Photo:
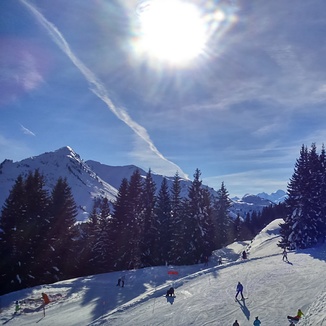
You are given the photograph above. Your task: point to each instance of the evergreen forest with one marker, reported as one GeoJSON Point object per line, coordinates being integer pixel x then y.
{"type": "Point", "coordinates": [41, 242]}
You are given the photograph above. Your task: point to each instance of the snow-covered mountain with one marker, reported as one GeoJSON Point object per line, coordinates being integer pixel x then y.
{"type": "Point", "coordinates": [249, 203]}
{"type": "Point", "coordinates": [64, 162]}
{"type": "Point", "coordinates": [276, 197]}
{"type": "Point", "coordinates": [87, 180]}
{"type": "Point", "coordinates": [114, 175]}
{"type": "Point", "coordinates": [204, 295]}
{"type": "Point", "coordinates": [91, 179]}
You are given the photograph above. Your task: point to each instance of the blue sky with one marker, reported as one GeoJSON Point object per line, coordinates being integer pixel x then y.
{"type": "Point", "coordinates": [71, 73]}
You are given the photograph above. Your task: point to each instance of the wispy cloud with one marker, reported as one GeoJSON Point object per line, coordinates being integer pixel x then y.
{"type": "Point", "coordinates": [27, 131]}
{"type": "Point", "coordinates": [252, 181]}
{"type": "Point", "coordinates": [96, 85]}
{"type": "Point", "coordinates": [31, 77]}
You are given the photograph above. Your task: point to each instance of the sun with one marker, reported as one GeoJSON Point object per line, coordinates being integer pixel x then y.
{"type": "Point", "coordinates": [171, 30]}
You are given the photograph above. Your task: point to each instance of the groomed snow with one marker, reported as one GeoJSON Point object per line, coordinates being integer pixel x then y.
{"type": "Point", "coordinates": [204, 295]}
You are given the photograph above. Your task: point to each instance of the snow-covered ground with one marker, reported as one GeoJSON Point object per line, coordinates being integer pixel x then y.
{"type": "Point", "coordinates": [204, 295]}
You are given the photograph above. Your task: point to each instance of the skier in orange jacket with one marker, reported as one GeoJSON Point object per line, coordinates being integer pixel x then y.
{"type": "Point", "coordinates": [45, 298]}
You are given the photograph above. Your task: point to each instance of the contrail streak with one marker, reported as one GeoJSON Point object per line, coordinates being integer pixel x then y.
{"type": "Point", "coordinates": [96, 85]}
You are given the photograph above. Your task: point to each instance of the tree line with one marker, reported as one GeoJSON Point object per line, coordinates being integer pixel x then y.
{"type": "Point", "coordinates": [148, 227]}
{"type": "Point", "coordinates": [42, 243]}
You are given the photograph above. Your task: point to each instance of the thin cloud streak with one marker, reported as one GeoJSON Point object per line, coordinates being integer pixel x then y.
{"type": "Point", "coordinates": [96, 86]}
{"type": "Point", "coordinates": [27, 131]}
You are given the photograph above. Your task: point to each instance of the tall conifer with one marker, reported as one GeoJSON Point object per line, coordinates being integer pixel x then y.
{"type": "Point", "coordinates": [178, 243]}
{"type": "Point", "coordinates": [222, 220]}
{"type": "Point", "coordinates": [64, 212]}
{"type": "Point", "coordinates": [162, 225]}
{"type": "Point", "coordinates": [147, 236]}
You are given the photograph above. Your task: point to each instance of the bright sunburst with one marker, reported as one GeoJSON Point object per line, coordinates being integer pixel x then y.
{"type": "Point", "coordinates": [172, 31]}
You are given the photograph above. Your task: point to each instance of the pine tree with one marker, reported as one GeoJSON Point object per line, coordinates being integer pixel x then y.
{"type": "Point", "coordinates": [294, 199]}
{"type": "Point", "coordinates": [120, 226]}
{"type": "Point", "coordinates": [246, 231]}
{"type": "Point", "coordinates": [25, 239]}
{"type": "Point", "coordinates": [177, 243]}
{"type": "Point", "coordinates": [86, 241]}
{"type": "Point", "coordinates": [162, 225]}
{"type": "Point", "coordinates": [12, 241]}
{"type": "Point", "coordinates": [237, 228]}
{"type": "Point", "coordinates": [193, 252]}
{"type": "Point", "coordinates": [128, 221]}
{"type": "Point", "coordinates": [36, 230]}
{"type": "Point", "coordinates": [135, 220]}
{"type": "Point", "coordinates": [63, 233]}
{"type": "Point", "coordinates": [103, 240]}
{"type": "Point", "coordinates": [313, 204]}
{"type": "Point", "coordinates": [197, 224]}
{"type": "Point", "coordinates": [321, 223]}
{"type": "Point", "coordinates": [222, 219]}
{"type": "Point", "coordinates": [254, 222]}
{"type": "Point", "coordinates": [208, 223]}
{"type": "Point", "coordinates": [148, 236]}
{"type": "Point", "coordinates": [298, 231]}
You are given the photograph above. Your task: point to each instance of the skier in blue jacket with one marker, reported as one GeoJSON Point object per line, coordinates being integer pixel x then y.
{"type": "Point", "coordinates": [257, 322]}
{"type": "Point", "coordinates": [239, 290]}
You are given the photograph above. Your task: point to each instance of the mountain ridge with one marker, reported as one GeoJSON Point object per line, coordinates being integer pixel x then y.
{"type": "Point", "coordinates": [91, 179]}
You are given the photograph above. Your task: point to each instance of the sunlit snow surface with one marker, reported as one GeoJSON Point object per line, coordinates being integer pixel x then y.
{"type": "Point", "coordinates": [204, 295]}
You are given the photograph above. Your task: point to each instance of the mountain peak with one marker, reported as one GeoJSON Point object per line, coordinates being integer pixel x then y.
{"type": "Point", "coordinates": [67, 151]}
{"type": "Point", "coordinates": [276, 197]}
{"type": "Point", "coordinates": [65, 163]}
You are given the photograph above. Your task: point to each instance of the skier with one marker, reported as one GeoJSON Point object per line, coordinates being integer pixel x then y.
{"type": "Point", "coordinates": [170, 292]}
{"type": "Point", "coordinates": [219, 262]}
{"type": "Point", "coordinates": [257, 322]}
{"type": "Point", "coordinates": [17, 307]}
{"type": "Point", "coordinates": [236, 323]}
{"type": "Point", "coordinates": [121, 281]}
{"type": "Point", "coordinates": [239, 290]}
{"type": "Point", "coordinates": [205, 261]}
{"type": "Point", "coordinates": [297, 317]}
{"type": "Point", "coordinates": [244, 255]}
{"type": "Point", "coordinates": [45, 298]}
{"type": "Point", "coordinates": [285, 255]}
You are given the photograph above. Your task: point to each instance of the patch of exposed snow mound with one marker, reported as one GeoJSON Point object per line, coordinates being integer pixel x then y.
{"type": "Point", "coordinates": [264, 242]}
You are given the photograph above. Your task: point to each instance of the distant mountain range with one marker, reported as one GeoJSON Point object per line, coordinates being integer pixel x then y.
{"type": "Point", "coordinates": [91, 179]}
